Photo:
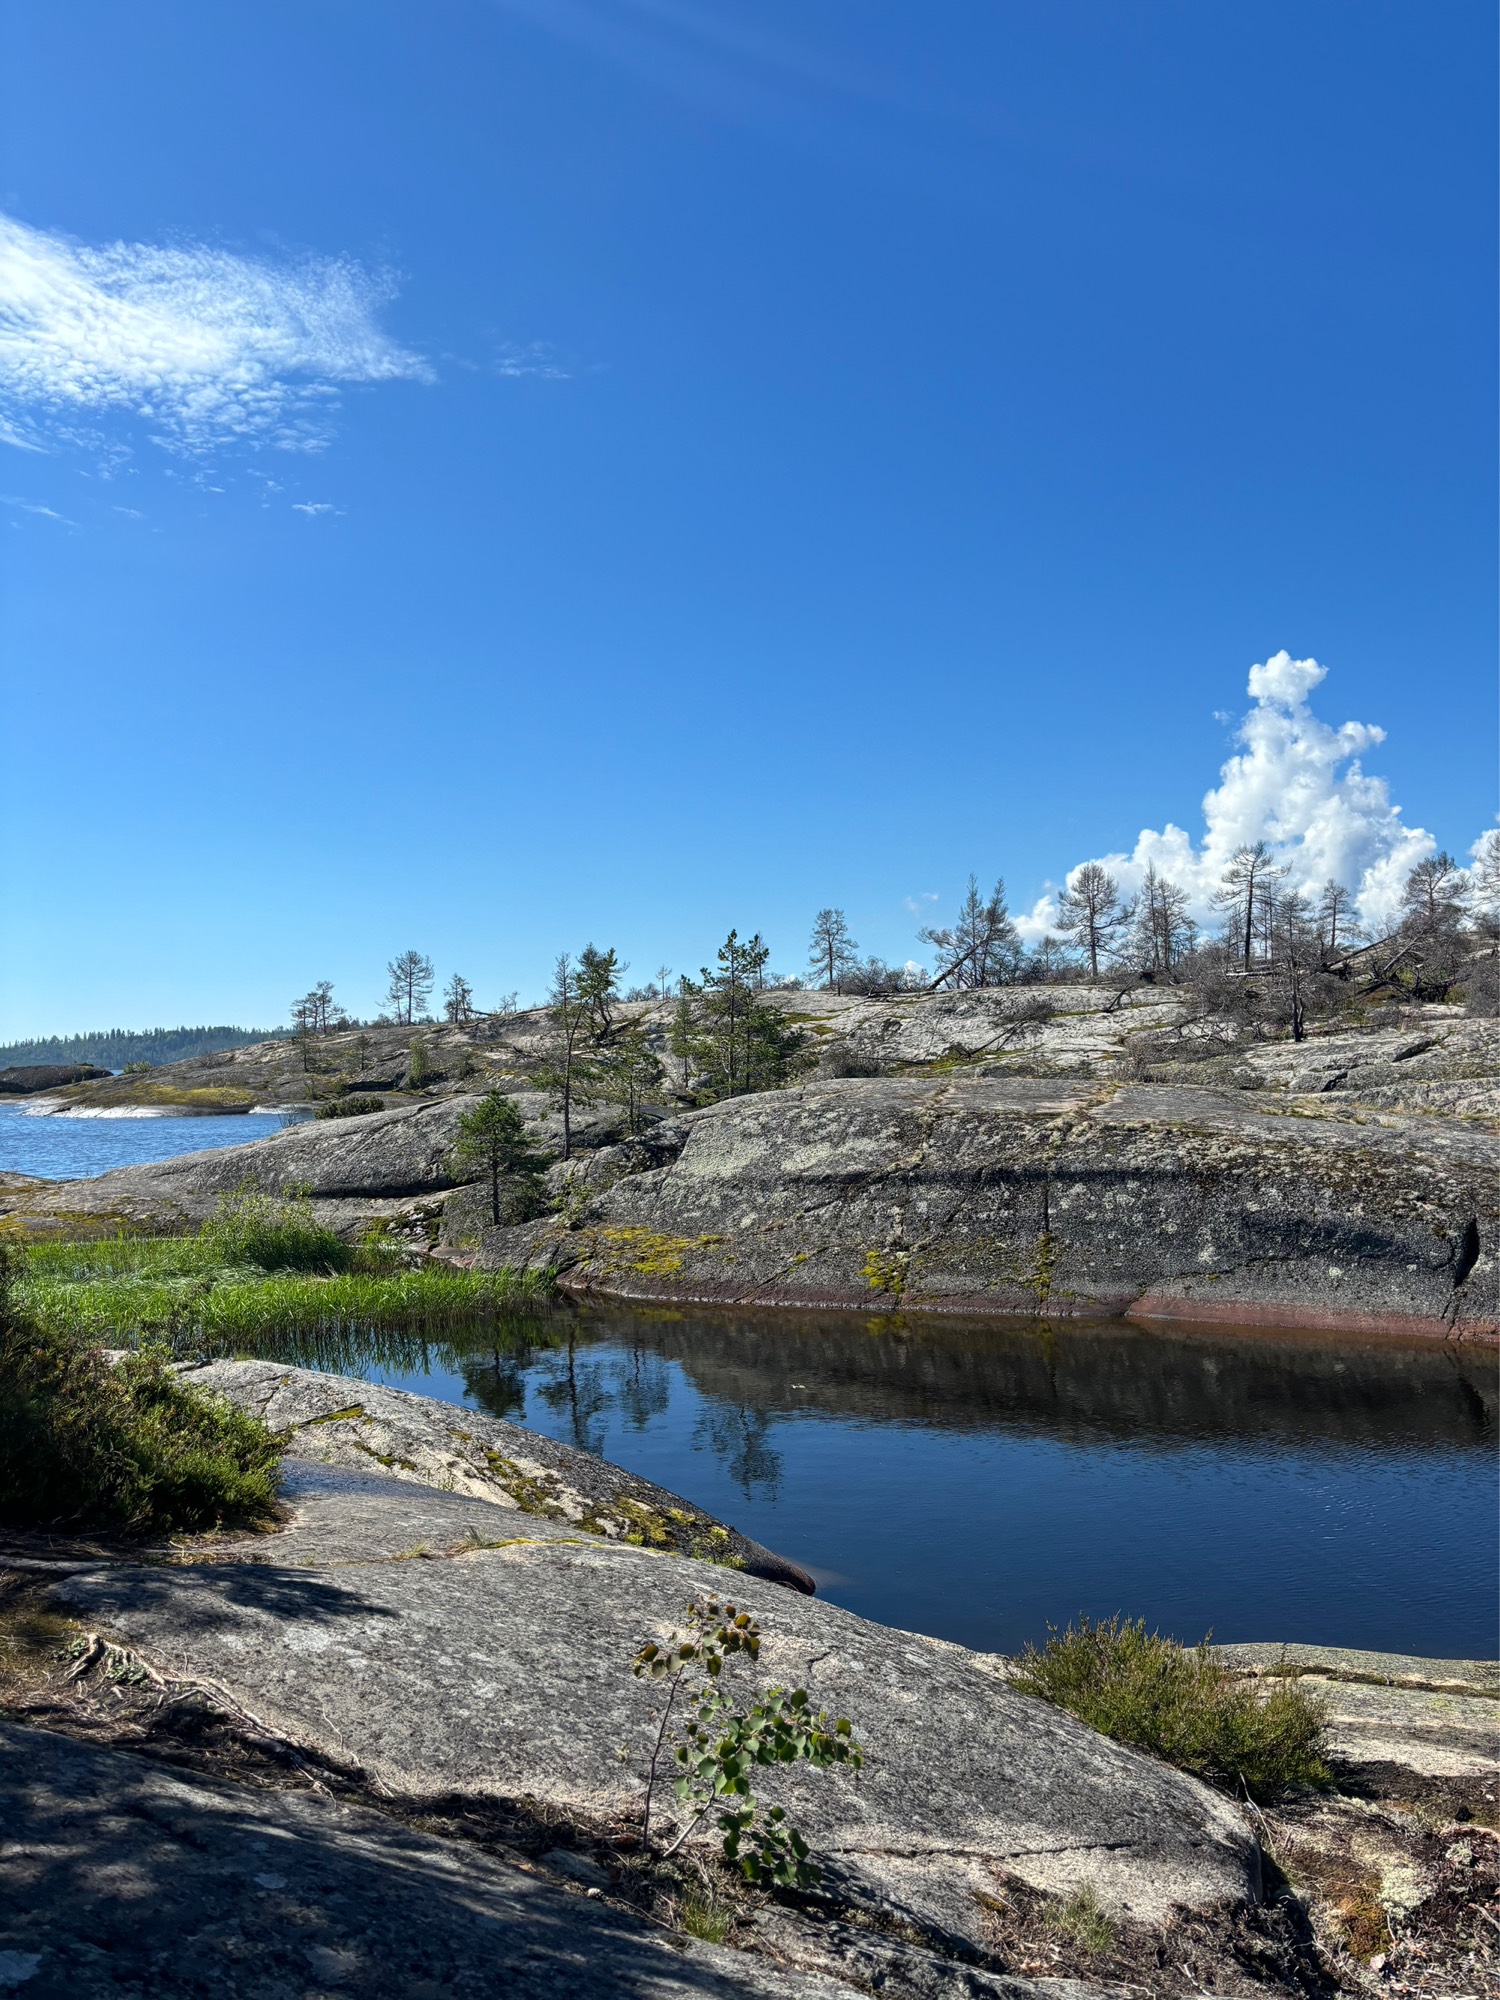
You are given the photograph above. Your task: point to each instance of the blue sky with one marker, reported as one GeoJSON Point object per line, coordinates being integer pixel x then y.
{"type": "Point", "coordinates": [492, 476]}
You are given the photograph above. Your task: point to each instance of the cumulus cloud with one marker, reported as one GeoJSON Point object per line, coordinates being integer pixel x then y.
{"type": "Point", "coordinates": [204, 347]}
{"type": "Point", "coordinates": [1297, 783]}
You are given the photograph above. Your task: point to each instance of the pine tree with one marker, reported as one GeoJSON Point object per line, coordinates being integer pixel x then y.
{"type": "Point", "coordinates": [832, 951]}
{"type": "Point", "coordinates": [568, 1074]}
{"type": "Point", "coordinates": [493, 1141]}
{"type": "Point", "coordinates": [982, 947]}
{"type": "Point", "coordinates": [598, 986]}
{"type": "Point", "coordinates": [1251, 876]}
{"type": "Point", "coordinates": [410, 987]}
{"type": "Point", "coordinates": [1090, 912]}
{"type": "Point", "coordinates": [1164, 932]}
{"type": "Point", "coordinates": [724, 1030]}
{"type": "Point", "coordinates": [631, 1075]}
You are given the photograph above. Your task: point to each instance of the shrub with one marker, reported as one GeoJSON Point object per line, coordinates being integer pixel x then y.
{"type": "Point", "coordinates": [1181, 1703]}
{"type": "Point", "coordinates": [276, 1232]}
{"type": "Point", "coordinates": [355, 1106]}
{"type": "Point", "coordinates": [87, 1445]}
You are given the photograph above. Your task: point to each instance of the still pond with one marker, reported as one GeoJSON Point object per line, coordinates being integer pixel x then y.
{"type": "Point", "coordinates": [980, 1480]}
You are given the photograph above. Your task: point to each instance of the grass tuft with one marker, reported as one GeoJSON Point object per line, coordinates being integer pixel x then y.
{"type": "Point", "coordinates": [1082, 1919]}
{"type": "Point", "coordinates": [1181, 1703]}
{"type": "Point", "coordinates": [702, 1915]}
{"type": "Point", "coordinates": [274, 1232]}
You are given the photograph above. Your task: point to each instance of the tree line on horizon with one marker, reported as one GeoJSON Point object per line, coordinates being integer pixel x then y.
{"type": "Point", "coordinates": [1448, 914]}
{"type": "Point", "coordinates": [114, 1048]}
{"type": "Point", "coordinates": [1278, 960]}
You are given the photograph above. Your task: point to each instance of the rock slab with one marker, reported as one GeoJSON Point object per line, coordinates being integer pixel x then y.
{"type": "Point", "coordinates": [338, 1420]}
{"type": "Point", "coordinates": [1007, 1194]}
{"type": "Point", "coordinates": [500, 1665]}
{"type": "Point", "coordinates": [121, 1880]}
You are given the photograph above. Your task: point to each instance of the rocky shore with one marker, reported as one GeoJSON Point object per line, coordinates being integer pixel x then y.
{"type": "Point", "coordinates": [1056, 1151]}
{"type": "Point", "coordinates": [398, 1739]}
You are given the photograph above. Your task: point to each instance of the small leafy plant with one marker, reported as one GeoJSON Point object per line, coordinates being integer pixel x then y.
{"type": "Point", "coordinates": [720, 1744]}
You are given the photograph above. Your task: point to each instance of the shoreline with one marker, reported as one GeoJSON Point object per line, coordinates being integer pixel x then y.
{"type": "Point", "coordinates": [1148, 1309]}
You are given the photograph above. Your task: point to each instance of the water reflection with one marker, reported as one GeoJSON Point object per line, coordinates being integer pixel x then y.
{"type": "Point", "coordinates": [978, 1480]}
{"type": "Point", "coordinates": [741, 1440]}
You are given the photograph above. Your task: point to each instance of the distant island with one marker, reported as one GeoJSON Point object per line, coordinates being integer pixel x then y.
{"type": "Point", "coordinates": [112, 1048]}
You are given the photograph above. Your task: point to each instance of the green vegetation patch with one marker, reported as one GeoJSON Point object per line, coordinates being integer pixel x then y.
{"type": "Point", "coordinates": [1183, 1704]}
{"type": "Point", "coordinates": [87, 1445]}
{"type": "Point", "coordinates": [140, 1090]}
{"type": "Point", "coordinates": [227, 1309]}
{"type": "Point", "coordinates": [651, 1254]}
{"type": "Point", "coordinates": [261, 1268]}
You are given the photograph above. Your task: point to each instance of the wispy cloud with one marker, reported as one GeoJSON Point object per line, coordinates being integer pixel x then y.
{"type": "Point", "coordinates": [34, 507]}
{"type": "Point", "coordinates": [315, 507]}
{"type": "Point", "coordinates": [536, 358]}
{"type": "Point", "coordinates": [918, 905]}
{"type": "Point", "coordinates": [202, 347]}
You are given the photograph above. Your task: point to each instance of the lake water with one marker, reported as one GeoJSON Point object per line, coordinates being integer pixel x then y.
{"type": "Point", "coordinates": [60, 1146]}
{"type": "Point", "coordinates": [982, 1480]}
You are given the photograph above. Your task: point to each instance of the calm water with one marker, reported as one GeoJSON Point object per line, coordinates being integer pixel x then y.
{"type": "Point", "coordinates": [63, 1148]}
{"type": "Point", "coordinates": [980, 1481]}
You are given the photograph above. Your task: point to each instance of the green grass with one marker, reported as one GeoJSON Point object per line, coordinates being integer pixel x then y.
{"type": "Point", "coordinates": [275, 1232]}
{"type": "Point", "coordinates": [260, 1270]}
{"type": "Point", "coordinates": [87, 1445]}
{"type": "Point", "coordinates": [702, 1915]}
{"type": "Point", "coordinates": [230, 1307]}
{"type": "Point", "coordinates": [1082, 1919]}
{"type": "Point", "coordinates": [1181, 1703]}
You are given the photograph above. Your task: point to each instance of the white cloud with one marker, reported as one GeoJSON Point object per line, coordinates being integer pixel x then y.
{"type": "Point", "coordinates": [202, 346]}
{"type": "Point", "coordinates": [1297, 784]}
{"type": "Point", "coordinates": [917, 904]}
{"type": "Point", "coordinates": [1034, 924]}
{"type": "Point", "coordinates": [315, 507]}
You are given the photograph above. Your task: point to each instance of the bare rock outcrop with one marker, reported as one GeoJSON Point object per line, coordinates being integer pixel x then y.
{"type": "Point", "coordinates": [443, 1653]}
{"type": "Point", "coordinates": [335, 1420]}
{"type": "Point", "coordinates": [968, 1193]}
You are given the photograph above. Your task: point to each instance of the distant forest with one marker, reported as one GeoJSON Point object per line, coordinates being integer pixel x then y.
{"type": "Point", "coordinates": [112, 1048]}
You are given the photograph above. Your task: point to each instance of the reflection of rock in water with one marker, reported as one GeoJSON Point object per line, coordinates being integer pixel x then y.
{"type": "Point", "coordinates": [741, 1440]}
{"type": "Point", "coordinates": [1082, 1380]}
